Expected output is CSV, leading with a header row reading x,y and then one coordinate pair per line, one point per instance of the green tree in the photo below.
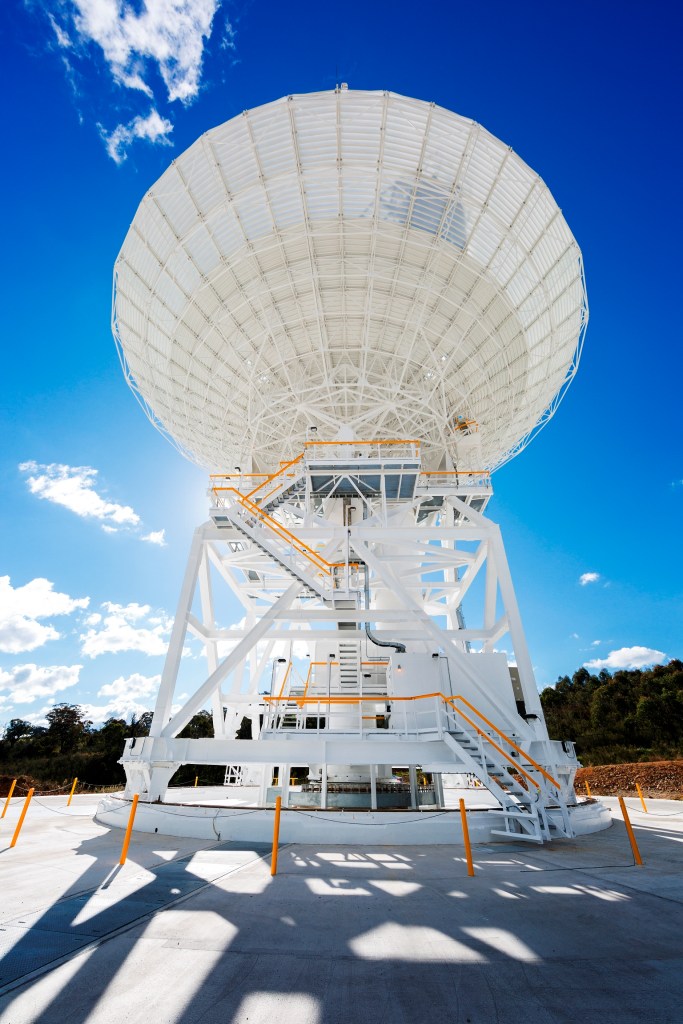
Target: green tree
x,y
17,729
67,727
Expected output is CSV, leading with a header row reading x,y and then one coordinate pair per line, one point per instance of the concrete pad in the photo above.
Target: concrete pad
x,y
566,932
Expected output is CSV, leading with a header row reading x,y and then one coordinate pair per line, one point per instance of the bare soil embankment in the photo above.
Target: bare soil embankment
x,y
662,780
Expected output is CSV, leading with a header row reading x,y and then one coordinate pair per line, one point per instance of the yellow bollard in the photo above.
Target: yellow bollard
x,y
24,809
196,780
588,789
126,841
73,790
276,835
9,797
631,838
466,837
642,799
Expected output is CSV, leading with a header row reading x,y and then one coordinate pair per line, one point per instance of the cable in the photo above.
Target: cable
x,y
574,867
639,810
365,824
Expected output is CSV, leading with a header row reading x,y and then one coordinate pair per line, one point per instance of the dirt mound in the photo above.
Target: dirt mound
x,y
661,780
24,783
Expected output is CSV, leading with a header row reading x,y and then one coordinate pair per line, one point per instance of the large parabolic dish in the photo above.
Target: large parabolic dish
x,y
348,259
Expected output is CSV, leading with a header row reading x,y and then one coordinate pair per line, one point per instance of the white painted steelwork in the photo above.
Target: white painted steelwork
x,y
348,258
354,306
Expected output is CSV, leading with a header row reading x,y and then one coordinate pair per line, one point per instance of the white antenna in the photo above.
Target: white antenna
x,y
353,306
348,257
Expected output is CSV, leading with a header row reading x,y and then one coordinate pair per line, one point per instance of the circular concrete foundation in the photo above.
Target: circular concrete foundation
x,y
430,825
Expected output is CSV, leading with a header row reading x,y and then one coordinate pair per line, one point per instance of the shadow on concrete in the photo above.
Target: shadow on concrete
x,y
561,933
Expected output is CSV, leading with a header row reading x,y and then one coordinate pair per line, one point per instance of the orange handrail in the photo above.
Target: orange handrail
x,y
300,547
302,699
316,559
520,750
279,472
448,700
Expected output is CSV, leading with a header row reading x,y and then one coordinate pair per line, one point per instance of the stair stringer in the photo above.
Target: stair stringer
x,y
524,811
269,547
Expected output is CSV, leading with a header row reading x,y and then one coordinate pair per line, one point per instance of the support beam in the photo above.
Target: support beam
x,y
162,710
204,693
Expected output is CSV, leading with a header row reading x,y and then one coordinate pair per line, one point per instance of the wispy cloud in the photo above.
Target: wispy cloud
x,y
61,36
22,607
154,128
167,33
128,627
141,44
74,488
26,683
589,577
629,657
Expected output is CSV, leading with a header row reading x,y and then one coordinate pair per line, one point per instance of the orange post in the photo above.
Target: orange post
x,y
466,837
631,838
588,789
73,790
24,809
9,797
276,835
129,830
640,794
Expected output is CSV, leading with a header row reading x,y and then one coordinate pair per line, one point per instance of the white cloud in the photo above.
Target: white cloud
x,y
167,33
120,708
595,643
154,128
61,35
589,577
123,628
629,657
26,683
156,537
573,636
130,687
21,608
38,717
74,488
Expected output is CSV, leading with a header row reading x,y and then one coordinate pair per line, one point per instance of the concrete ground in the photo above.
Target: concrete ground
x,y
189,931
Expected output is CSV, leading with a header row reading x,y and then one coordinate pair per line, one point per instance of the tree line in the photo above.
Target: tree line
x,y
620,718
613,719
69,746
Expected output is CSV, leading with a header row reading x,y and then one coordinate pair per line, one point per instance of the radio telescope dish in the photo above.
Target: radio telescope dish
x,y
348,260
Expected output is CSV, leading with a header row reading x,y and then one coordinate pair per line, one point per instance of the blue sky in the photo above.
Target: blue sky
x,y
98,100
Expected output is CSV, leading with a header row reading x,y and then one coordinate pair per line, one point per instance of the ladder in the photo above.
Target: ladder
x,y
349,668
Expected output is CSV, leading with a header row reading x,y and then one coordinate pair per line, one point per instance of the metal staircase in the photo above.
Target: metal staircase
x,y
295,563
524,792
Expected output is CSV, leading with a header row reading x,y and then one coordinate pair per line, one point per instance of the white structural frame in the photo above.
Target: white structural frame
x,y
324,268
316,554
